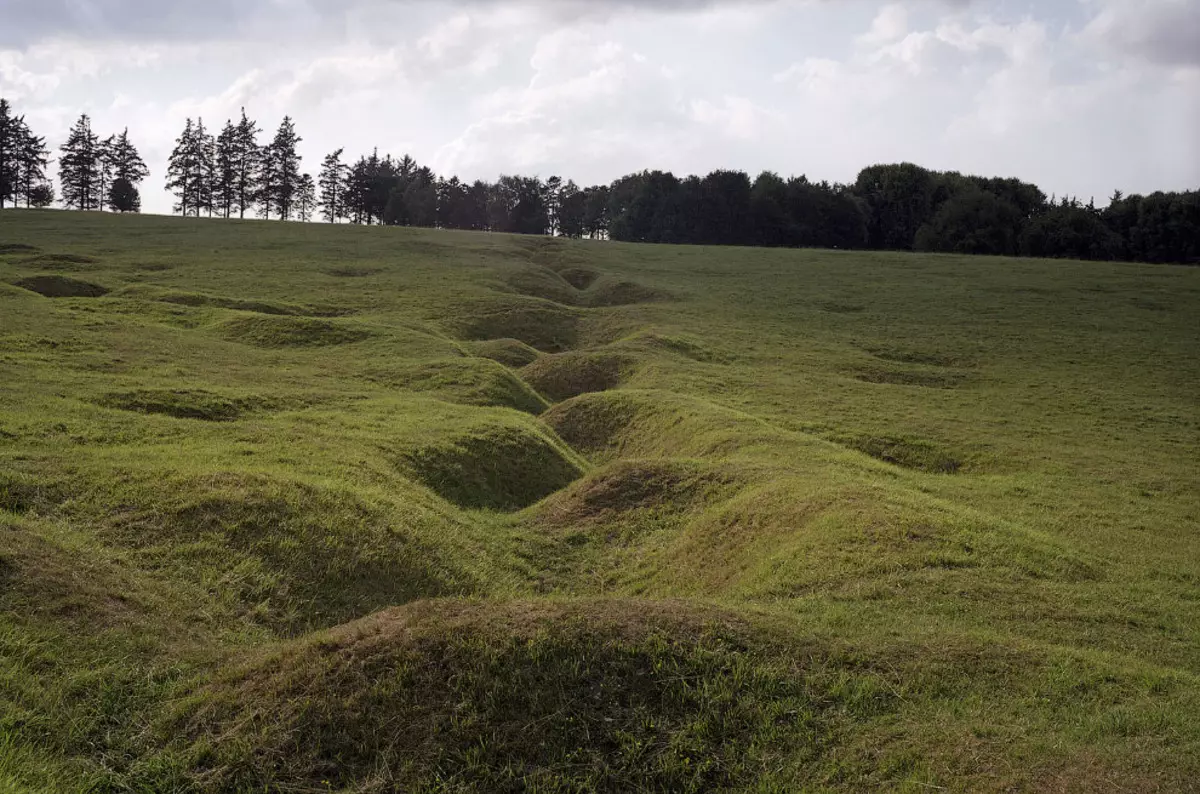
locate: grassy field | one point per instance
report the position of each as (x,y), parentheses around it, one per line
(309,508)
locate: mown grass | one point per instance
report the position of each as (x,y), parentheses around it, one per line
(291,507)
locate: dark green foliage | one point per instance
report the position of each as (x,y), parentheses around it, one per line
(1070,230)
(972,222)
(123,196)
(79,167)
(900,199)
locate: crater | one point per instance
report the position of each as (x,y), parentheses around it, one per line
(61,287)
(545,326)
(659,486)
(624,293)
(352,272)
(468,381)
(579,277)
(186,404)
(933,359)
(501,467)
(838,307)
(909,453)
(566,375)
(7,249)
(925,380)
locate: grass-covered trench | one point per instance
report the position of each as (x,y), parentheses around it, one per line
(308,508)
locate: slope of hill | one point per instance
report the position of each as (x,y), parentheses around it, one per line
(305,508)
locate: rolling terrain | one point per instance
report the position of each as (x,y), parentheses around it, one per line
(298,508)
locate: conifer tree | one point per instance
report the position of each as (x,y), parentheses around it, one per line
(32,158)
(80,166)
(189,170)
(128,170)
(332,183)
(247,158)
(266,181)
(179,170)
(225,171)
(306,197)
(9,157)
(284,169)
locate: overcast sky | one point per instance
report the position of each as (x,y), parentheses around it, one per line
(1079,96)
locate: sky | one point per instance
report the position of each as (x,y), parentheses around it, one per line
(1079,96)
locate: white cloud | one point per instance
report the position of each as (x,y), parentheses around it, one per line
(1079,95)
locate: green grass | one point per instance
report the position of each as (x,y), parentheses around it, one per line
(311,508)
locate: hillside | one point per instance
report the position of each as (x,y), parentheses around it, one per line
(327,508)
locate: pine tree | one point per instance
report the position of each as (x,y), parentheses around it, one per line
(247,159)
(79,167)
(179,171)
(32,158)
(358,187)
(105,169)
(9,157)
(189,170)
(266,181)
(332,183)
(306,197)
(205,169)
(284,168)
(128,168)
(225,173)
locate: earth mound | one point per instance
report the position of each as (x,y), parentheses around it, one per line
(566,375)
(509,352)
(620,695)
(282,332)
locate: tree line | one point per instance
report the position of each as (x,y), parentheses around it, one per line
(236,173)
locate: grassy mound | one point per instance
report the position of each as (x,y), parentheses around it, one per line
(623,293)
(509,352)
(565,697)
(636,423)
(494,466)
(592,423)
(543,325)
(909,453)
(635,485)
(287,554)
(468,381)
(544,283)
(186,403)
(684,345)
(259,307)
(566,375)
(277,332)
(51,286)
(8,249)
(60,261)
